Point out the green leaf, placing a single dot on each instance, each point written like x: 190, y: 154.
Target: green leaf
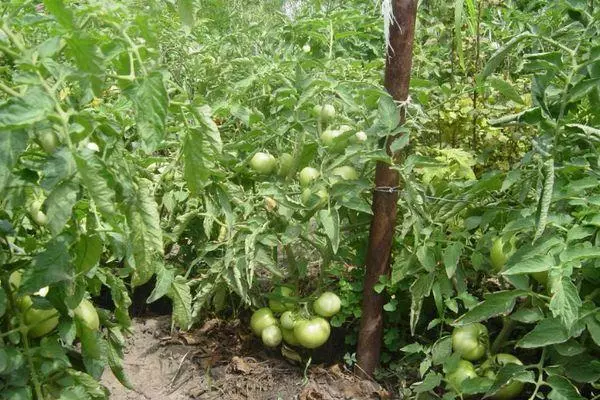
x: 419, y: 290
x: 538, y: 263
x: 91, y: 386
x: 593, y: 326
x: 180, y: 294
x: 12, y: 144
x: 63, y: 15
x: 441, y: 350
x: 545, y: 198
x: 3, y: 302
x: 562, y: 389
x: 582, y: 88
x: 498, y: 57
x: 22, y: 112
x: 495, y: 304
x: 88, y: 58
x: 549, y: 331
x: 331, y: 225
x: 506, y: 89
x: 431, y: 381
x: 48, y: 267
x: 145, y: 235
x: 88, y: 250
x: 164, y: 278
x: 186, y: 12
x: 196, y: 164
x: 97, y: 181
x: 59, y: 205
x: 74, y: 393
x: 93, y: 350
x: 388, y: 113
x: 458, y: 23
x: 565, y: 302
x: 451, y: 256
x: 151, y: 103
x: 114, y: 356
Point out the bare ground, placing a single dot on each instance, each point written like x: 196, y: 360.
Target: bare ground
x: 221, y: 361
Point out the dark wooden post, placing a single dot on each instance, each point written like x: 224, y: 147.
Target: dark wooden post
x: 397, y: 80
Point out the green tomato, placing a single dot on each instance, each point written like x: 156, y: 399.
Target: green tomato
x: 470, y: 341
x: 325, y: 113
x: 271, y: 336
x: 315, y: 199
x: 280, y: 300
x: 86, y: 313
x: 312, y: 333
x: 512, y: 388
x: 308, y: 175
x: 347, y: 173
x: 465, y: 370
x: 36, y: 213
x: 287, y: 320
x: 289, y: 337
x: 360, y: 136
x: 263, y: 163
x: 48, y: 141
x: 327, y: 305
x: 40, y: 322
x: 286, y: 162
x: 306, y: 48
x: 262, y: 318
x: 500, y: 253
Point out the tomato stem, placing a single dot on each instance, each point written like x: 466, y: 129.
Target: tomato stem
x: 507, y: 327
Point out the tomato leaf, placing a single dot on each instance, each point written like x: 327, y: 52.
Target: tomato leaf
x: 60, y: 204
x: 12, y: 144
x: 180, y: 294
x: 548, y: 331
x: 562, y: 389
x: 495, y: 304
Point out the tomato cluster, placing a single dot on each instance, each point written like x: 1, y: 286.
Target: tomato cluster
x: 313, y: 195
x: 471, y: 342
x: 295, y: 326
x: 40, y: 322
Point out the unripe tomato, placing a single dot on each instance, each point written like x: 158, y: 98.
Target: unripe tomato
x: 262, y: 318
x: 328, y: 137
x: 464, y: 371
x: 308, y: 175
x: 470, y: 341
x: 312, y: 333
x: 360, y: 136
x: 327, y: 112
x: 289, y: 337
x: 86, y: 313
x: 263, y: 163
x: 498, y: 255
x: 315, y: 199
x: 287, y: 320
x: 286, y: 162
x: 327, y: 305
x: 48, y: 141
x: 280, y: 303
x: 40, y: 322
x: 513, y: 388
x: 347, y: 173
x: 271, y: 336
x: 306, y: 48
x: 36, y: 213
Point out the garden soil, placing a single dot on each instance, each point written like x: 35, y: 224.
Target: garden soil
x: 221, y: 361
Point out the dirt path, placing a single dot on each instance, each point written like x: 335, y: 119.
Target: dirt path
x: 218, y: 361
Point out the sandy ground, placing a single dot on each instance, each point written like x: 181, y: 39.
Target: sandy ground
x: 221, y: 361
